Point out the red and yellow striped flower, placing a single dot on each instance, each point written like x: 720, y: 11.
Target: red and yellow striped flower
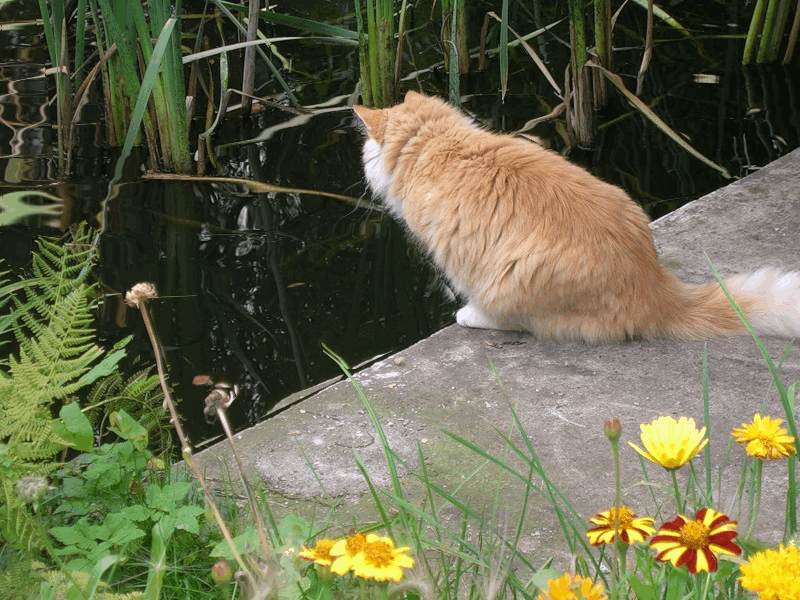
x: 630, y: 527
x: 696, y: 543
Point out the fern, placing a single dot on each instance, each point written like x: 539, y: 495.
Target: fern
x: 51, y: 316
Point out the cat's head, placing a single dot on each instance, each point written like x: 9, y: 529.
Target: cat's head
x: 389, y: 129
x: 415, y: 108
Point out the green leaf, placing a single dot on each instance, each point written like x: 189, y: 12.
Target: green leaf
x: 107, y: 366
x: 167, y: 498
x: 120, y: 531
x: 137, y: 512
x: 293, y: 529
x: 74, y: 427
x: 186, y: 518
x: 126, y: 427
x: 74, y: 535
x: 641, y: 590
x: 244, y: 543
x: 541, y: 577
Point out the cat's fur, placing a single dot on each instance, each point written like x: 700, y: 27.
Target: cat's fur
x: 537, y: 243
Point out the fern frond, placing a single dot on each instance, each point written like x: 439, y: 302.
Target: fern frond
x: 52, y: 318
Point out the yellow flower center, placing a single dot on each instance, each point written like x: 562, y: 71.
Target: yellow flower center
x: 378, y: 554
x: 622, y: 520
x: 355, y: 544
x: 694, y: 535
x: 322, y: 549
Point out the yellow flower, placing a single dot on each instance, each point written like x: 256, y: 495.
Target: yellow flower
x: 630, y: 527
x: 321, y: 554
x: 381, y: 561
x: 347, y: 552
x: 671, y: 443
x: 568, y: 587
x: 765, y: 438
x: 696, y: 543
x: 774, y: 574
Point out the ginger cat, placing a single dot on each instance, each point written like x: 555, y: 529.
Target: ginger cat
x: 537, y: 243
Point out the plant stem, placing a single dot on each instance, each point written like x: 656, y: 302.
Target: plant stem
x: 757, y: 502
x: 678, y: 504
x: 752, y: 32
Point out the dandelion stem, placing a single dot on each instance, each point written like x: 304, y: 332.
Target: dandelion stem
x: 757, y: 501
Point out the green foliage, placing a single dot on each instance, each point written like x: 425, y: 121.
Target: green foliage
x: 51, y: 318
x: 109, y: 501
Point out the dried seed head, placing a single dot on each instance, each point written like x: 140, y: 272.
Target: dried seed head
x: 140, y: 291
x: 32, y: 489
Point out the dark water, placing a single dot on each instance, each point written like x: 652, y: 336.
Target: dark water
x: 253, y: 284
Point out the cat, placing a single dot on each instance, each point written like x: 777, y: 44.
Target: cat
x: 537, y: 243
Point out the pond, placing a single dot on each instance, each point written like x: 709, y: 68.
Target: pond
x: 252, y: 285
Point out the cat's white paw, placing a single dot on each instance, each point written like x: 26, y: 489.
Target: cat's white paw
x: 469, y: 316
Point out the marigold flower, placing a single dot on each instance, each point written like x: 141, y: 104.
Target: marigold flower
x: 765, y: 438
x: 568, y: 587
x: 321, y: 553
x: 696, y: 543
x: 774, y: 574
x: 671, y: 443
x: 630, y: 527
x: 347, y: 552
x: 381, y: 561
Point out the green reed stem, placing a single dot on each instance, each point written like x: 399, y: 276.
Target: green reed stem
x: 363, y: 61
x: 772, y: 34
x: 753, y: 31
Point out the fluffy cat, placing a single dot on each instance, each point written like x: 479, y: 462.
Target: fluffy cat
x: 537, y: 243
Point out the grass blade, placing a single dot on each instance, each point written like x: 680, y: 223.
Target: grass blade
x: 143, y: 97
x: 504, y: 50
x: 787, y: 400
x: 308, y: 25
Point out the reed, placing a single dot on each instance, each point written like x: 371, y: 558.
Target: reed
x: 123, y: 32
x: 376, y: 52
x: 55, y: 31
x: 766, y: 32
x: 581, y: 125
x: 454, y: 34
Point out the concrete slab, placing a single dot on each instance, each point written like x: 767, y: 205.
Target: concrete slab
x: 563, y: 392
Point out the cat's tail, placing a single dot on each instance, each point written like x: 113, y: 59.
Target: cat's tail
x: 769, y: 298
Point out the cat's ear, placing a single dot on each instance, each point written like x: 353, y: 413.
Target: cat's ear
x: 412, y: 96
x: 370, y: 117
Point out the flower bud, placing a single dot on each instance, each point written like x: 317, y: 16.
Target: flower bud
x: 221, y: 573
x: 612, y: 429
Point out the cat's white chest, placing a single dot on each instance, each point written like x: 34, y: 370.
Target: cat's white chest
x: 378, y: 178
